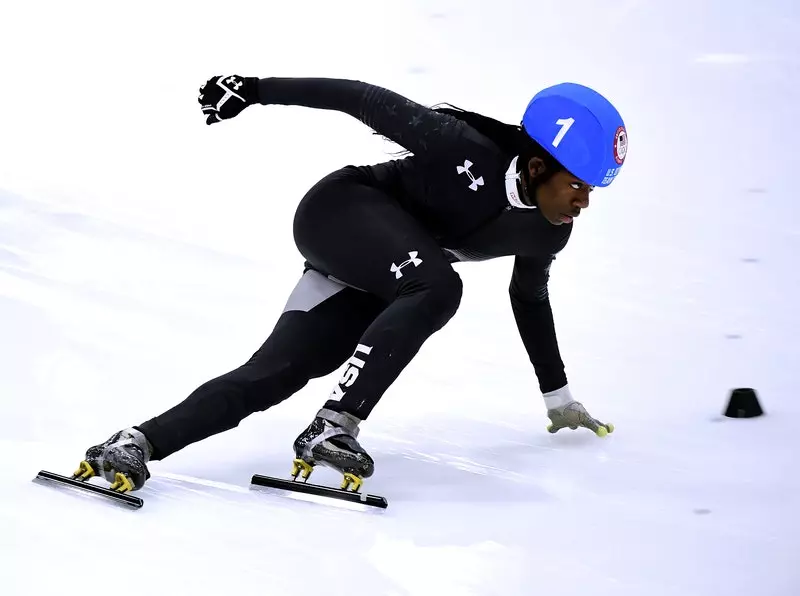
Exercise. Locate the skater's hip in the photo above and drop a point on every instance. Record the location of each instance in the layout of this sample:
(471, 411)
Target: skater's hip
(359, 234)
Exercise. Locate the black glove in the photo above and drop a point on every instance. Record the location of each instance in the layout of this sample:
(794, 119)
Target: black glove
(224, 97)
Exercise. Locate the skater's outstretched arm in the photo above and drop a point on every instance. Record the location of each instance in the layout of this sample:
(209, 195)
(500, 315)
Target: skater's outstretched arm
(417, 128)
(531, 304)
(534, 316)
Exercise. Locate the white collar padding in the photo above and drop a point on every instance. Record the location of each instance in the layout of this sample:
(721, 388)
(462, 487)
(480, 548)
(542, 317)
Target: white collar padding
(513, 188)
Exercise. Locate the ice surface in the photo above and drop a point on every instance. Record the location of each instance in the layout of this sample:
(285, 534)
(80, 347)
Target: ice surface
(142, 253)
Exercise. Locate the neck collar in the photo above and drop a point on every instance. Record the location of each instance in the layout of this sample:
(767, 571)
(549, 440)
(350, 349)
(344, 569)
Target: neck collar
(514, 186)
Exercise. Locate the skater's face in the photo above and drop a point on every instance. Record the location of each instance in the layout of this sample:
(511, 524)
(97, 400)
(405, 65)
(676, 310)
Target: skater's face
(561, 197)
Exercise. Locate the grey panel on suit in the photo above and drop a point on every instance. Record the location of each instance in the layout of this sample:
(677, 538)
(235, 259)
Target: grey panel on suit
(312, 289)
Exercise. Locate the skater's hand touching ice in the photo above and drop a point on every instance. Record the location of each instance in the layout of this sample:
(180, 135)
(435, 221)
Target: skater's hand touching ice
(224, 97)
(565, 412)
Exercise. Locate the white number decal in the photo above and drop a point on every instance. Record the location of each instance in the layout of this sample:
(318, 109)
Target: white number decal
(565, 126)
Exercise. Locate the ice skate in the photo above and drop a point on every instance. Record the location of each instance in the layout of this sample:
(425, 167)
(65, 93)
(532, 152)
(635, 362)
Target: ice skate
(330, 440)
(573, 415)
(122, 460)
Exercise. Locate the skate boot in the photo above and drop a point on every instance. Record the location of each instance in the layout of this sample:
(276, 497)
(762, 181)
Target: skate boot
(573, 415)
(330, 440)
(122, 460)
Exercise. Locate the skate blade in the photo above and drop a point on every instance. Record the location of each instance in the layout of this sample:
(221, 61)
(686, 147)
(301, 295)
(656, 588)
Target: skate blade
(84, 471)
(352, 482)
(45, 477)
(302, 468)
(319, 491)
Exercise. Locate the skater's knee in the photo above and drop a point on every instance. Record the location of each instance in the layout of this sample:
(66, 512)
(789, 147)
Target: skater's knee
(439, 297)
(446, 295)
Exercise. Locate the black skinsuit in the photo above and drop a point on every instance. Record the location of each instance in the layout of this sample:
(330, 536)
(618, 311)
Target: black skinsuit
(379, 243)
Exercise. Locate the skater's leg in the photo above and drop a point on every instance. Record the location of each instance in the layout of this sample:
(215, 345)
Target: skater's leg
(362, 236)
(359, 234)
(317, 331)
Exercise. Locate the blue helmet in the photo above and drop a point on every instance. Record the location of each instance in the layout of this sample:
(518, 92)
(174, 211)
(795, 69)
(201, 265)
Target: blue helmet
(581, 129)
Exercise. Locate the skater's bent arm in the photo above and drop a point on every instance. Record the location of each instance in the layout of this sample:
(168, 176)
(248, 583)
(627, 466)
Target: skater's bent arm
(409, 124)
(534, 317)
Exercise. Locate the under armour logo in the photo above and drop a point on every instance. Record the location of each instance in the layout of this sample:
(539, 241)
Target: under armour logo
(476, 182)
(234, 83)
(412, 260)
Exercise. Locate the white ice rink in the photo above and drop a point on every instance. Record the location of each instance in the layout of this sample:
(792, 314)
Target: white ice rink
(143, 252)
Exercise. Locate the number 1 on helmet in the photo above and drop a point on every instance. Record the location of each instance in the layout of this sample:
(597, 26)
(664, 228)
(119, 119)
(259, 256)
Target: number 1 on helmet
(565, 125)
